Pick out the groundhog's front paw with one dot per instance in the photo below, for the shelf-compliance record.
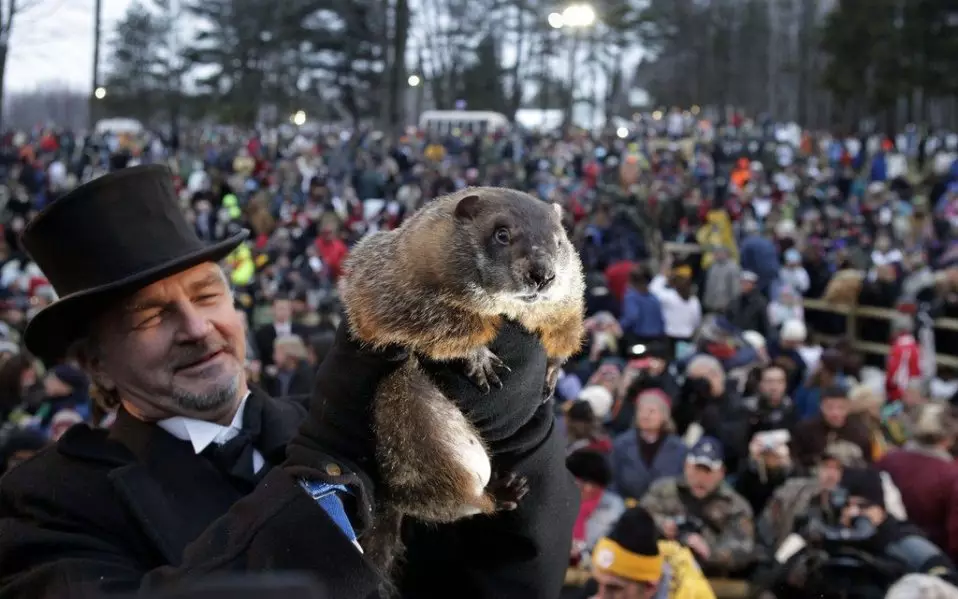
(481, 369)
(508, 491)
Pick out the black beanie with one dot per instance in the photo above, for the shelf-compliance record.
(865, 483)
(590, 466)
(636, 532)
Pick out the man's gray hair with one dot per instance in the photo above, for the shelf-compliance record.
(921, 586)
(705, 362)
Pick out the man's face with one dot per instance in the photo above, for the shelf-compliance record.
(702, 479)
(175, 348)
(616, 587)
(282, 310)
(835, 411)
(858, 506)
(829, 474)
(773, 384)
(746, 285)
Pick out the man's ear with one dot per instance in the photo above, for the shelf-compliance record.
(468, 207)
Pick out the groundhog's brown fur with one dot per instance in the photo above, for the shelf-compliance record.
(441, 286)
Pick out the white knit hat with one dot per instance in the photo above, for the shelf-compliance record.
(599, 399)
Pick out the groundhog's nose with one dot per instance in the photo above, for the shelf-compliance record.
(541, 274)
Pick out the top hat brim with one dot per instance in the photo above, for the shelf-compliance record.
(51, 331)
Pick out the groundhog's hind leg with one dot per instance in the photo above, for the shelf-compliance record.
(434, 465)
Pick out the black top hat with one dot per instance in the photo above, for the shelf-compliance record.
(107, 239)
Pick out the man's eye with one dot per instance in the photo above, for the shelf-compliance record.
(208, 298)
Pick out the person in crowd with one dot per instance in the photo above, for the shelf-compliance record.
(904, 358)
(634, 562)
(759, 255)
(721, 282)
(650, 451)
(768, 466)
(791, 501)
(921, 586)
(291, 373)
(786, 306)
(706, 407)
(681, 309)
(66, 387)
(749, 311)
(703, 511)
(199, 475)
(281, 326)
(648, 370)
(899, 418)
(642, 318)
(583, 429)
(927, 476)
(771, 409)
(866, 403)
(793, 275)
(600, 399)
(18, 446)
(599, 507)
(833, 423)
(785, 351)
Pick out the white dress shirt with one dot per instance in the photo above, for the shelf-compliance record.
(201, 433)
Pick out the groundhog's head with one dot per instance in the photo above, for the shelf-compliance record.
(520, 251)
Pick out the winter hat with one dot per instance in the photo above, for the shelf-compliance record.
(600, 400)
(71, 376)
(631, 550)
(865, 483)
(794, 330)
(589, 466)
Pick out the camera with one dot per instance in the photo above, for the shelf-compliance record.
(687, 526)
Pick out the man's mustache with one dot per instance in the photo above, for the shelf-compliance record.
(188, 356)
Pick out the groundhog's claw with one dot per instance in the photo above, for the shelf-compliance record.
(508, 491)
(481, 369)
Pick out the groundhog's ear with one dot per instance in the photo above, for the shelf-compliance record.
(468, 207)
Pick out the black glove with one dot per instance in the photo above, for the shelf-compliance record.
(339, 423)
(512, 420)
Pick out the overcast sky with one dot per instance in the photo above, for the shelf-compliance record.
(53, 43)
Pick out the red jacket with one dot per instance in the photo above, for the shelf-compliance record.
(929, 489)
(904, 364)
(332, 252)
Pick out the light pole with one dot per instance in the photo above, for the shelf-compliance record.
(577, 17)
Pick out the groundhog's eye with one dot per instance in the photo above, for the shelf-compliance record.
(502, 236)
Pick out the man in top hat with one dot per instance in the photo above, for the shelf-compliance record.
(202, 474)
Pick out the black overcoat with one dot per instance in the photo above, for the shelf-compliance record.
(134, 508)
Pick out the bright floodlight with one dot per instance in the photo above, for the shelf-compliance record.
(622, 132)
(414, 80)
(555, 20)
(578, 15)
(299, 119)
(99, 93)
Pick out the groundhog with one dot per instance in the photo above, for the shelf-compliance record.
(441, 285)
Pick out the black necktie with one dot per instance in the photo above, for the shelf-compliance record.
(235, 457)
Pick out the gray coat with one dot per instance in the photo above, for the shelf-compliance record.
(632, 478)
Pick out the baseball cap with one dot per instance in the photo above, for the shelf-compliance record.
(748, 275)
(708, 453)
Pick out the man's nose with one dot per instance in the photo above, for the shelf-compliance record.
(194, 325)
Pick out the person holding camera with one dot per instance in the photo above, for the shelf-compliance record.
(704, 513)
(850, 546)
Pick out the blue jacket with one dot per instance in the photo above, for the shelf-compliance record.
(642, 314)
(630, 475)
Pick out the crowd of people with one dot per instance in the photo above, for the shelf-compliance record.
(708, 411)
